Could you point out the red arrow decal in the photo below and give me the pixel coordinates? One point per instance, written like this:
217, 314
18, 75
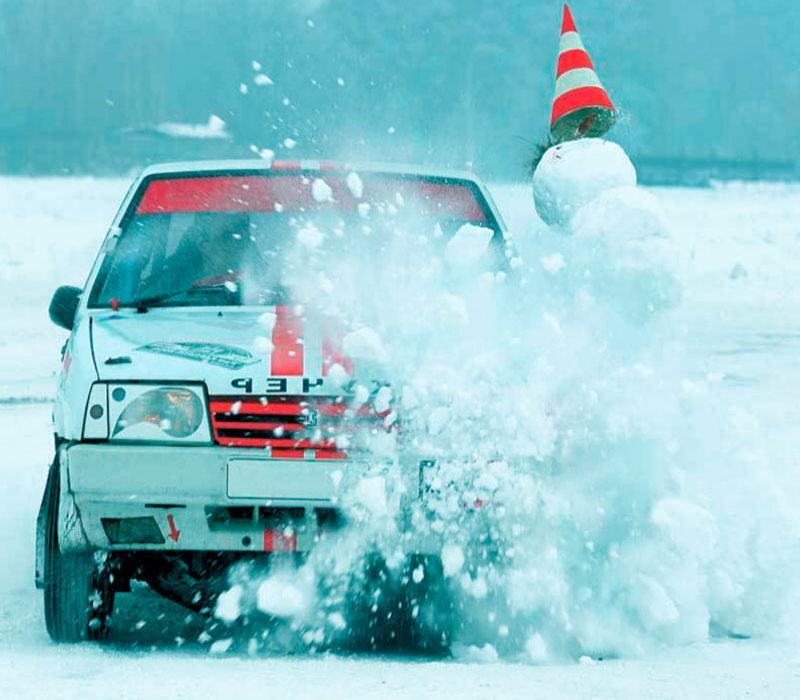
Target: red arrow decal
174, 532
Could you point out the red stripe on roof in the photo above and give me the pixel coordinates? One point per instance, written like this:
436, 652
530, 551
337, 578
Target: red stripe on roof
260, 193
287, 344
575, 58
231, 193
567, 24
578, 99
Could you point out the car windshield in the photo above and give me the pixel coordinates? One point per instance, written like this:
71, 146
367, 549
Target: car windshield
226, 239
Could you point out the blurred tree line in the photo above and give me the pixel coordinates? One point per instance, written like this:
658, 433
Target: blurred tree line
447, 82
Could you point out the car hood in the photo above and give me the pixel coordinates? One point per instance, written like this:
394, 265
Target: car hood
231, 350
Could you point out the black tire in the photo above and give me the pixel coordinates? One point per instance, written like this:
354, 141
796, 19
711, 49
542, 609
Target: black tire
78, 599
372, 607
428, 606
396, 612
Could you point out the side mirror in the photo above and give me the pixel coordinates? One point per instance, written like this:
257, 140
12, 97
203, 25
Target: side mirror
64, 305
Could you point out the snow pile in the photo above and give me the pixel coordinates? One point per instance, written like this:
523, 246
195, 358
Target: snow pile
213, 129
588, 493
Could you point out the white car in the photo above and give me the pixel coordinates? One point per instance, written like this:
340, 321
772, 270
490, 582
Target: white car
179, 448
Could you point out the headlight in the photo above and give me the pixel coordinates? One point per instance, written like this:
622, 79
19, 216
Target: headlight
177, 412
141, 412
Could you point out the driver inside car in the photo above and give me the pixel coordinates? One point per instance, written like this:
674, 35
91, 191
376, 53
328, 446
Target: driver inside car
213, 250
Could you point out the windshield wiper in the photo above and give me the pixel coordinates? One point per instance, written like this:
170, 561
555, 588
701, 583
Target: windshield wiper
143, 304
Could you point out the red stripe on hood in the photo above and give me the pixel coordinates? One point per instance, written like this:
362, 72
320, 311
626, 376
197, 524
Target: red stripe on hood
287, 344
332, 353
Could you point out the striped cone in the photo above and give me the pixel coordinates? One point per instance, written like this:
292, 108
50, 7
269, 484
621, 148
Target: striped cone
581, 107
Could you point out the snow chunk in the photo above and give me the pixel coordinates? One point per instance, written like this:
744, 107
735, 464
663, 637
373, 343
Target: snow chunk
289, 143
355, 185
243, 88
383, 399
691, 528
475, 654
310, 237
267, 321
337, 621
255, 65
468, 245
370, 492
321, 191
553, 263
452, 559
262, 345
220, 646
267, 154
281, 596
654, 604
228, 606
214, 128
537, 649
338, 375
262, 80
364, 344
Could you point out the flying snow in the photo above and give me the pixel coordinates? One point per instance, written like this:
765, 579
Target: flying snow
573, 454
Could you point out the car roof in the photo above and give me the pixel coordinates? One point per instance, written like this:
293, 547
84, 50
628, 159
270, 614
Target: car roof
258, 165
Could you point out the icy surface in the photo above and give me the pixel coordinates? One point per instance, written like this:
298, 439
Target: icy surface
660, 505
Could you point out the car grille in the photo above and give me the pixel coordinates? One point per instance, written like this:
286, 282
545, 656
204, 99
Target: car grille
288, 427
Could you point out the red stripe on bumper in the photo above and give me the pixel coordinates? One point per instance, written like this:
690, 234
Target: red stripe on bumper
279, 541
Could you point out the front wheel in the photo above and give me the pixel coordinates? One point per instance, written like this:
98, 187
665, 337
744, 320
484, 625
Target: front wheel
77, 595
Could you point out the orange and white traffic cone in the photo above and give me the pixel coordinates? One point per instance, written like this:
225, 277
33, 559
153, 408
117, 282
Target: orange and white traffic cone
581, 106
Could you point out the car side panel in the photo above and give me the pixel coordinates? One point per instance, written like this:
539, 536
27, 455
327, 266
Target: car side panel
74, 381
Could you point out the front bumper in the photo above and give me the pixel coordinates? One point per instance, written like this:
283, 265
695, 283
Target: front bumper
162, 497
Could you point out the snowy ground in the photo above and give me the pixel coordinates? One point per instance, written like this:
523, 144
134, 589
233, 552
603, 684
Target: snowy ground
737, 250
